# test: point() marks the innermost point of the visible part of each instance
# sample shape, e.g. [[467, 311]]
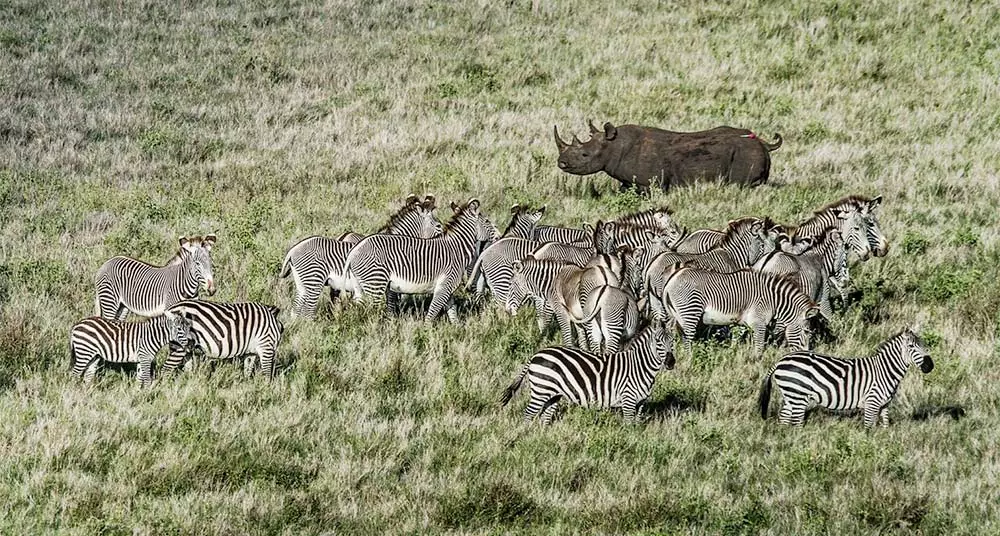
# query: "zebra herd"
[[618, 291]]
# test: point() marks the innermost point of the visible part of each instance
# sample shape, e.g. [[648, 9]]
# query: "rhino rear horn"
[[559, 142]]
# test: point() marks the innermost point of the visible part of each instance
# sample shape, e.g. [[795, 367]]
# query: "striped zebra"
[[95, 340], [655, 219], [808, 379], [523, 222], [745, 242], [611, 318], [558, 290], [869, 240], [128, 285], [317, 261], [493, 268], [564, 235], [382, 265], [230, 330], [692, 295], [815, 271], [619, 380]]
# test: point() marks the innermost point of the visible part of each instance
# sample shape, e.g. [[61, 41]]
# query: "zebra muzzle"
[[927, 365], [669, 362]]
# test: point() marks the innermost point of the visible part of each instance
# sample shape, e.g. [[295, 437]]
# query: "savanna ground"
[[125, 125]]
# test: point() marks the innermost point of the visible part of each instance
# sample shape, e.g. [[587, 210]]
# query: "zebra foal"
[[619, 380], [229, 330], [95, 340], [808, 379], [128, 285]]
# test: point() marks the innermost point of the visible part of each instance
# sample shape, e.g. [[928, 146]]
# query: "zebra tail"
[[72, 354], [286, 265], [511, 389], [765, 395], [477, 271]]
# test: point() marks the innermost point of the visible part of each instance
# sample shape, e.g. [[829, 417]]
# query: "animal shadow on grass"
[[675, 403], [927, 411]]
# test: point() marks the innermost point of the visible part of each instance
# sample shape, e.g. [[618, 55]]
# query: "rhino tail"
[[771, 147]]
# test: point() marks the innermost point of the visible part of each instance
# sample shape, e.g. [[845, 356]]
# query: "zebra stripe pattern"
[[96, 340], [128, 285], [230, 330], [866, 241], [808, 379], [523, 221], [619, 380], [317, 261]]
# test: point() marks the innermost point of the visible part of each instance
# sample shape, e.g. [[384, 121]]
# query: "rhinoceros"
[[641, 156]]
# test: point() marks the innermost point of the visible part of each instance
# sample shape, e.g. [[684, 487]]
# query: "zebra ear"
[[184, 242], [411, 199], [812, 311], [473, 204], [874, 203], [208, 242], [542, 210], [517, 266], [515, 208], [588, 228], [454, 206], [430, 202]]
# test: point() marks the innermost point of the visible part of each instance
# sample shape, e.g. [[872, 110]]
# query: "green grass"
[[127, 125]]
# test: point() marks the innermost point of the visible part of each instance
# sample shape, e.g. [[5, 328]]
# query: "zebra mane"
[[514, 219], [889, 342], [451, 223], [736, 225], [854, 201], [638, 216], [412, 205]]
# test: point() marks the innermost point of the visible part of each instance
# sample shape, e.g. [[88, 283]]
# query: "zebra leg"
[[872, 410], [175, 358], [452, 310], [267, 361], [535, 405], [825, 308], [443, 293], [565, 327], [249, 361], [391, 302], [145, 372], [759, 338], [90, 370], [630, 409], [549, 413], [307, 297], [884, 416], [792, 413]]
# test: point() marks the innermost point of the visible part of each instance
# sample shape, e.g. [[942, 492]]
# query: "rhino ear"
[[593, 129], [610, 132]]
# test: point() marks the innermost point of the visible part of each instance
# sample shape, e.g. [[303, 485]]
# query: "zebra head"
[[605, 236], [632, 269], [915, 351], [519, 290], [197, 252], [179, 328], [428, 226], [861, 230], [798, 332], [523, 221], [873, 233], [664, 341]]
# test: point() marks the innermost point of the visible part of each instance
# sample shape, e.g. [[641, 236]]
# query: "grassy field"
[[126, 125]]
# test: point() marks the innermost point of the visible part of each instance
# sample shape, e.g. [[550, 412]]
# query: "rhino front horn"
[[559, 142]]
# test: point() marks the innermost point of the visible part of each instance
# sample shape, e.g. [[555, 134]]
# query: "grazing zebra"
[[95, 340], [523, 221], [807, 380], [317, 261], [692, 296], [815, 270], [869, 241], [128, 285], [385, 264], [619, 380], [557, 289], [230, 330], [611, 318]]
